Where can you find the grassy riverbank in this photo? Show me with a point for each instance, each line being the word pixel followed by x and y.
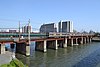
pixel 14 63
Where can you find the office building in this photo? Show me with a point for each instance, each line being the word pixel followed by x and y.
pixel 65 26
pixel 46 28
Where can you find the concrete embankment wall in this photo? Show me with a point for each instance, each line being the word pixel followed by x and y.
pixel 96 39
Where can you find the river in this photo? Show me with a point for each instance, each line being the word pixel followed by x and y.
pixel 87 55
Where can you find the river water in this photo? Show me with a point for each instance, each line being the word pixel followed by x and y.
pixel 87 55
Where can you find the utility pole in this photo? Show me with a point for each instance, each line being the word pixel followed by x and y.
pixel 29 31
pixel 19 31
pixel 45 28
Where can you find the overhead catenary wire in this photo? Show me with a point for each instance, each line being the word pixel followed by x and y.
pixel 22 24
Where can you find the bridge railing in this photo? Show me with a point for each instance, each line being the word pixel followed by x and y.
pixel 53 34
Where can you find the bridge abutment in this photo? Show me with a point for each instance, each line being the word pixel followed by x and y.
pixel 2 48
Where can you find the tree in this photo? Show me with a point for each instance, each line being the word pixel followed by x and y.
pixel 91 32
pixel 74 31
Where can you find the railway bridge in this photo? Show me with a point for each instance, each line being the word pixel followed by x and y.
pixel 44 41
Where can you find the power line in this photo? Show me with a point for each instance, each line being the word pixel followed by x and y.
pixel 18 28
pixel 12 20
pixel 22 24
pixel 8 28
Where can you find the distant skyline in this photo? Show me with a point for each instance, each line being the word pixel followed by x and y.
pixel 85 14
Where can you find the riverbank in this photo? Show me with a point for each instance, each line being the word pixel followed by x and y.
pixel 8 60
pixel 14 63
pixel 5 58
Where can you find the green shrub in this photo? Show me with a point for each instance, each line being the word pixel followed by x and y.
pixel 14 63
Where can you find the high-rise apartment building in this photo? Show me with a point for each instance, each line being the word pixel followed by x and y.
pixel 26 29
pixel 45 28
pixel 65 26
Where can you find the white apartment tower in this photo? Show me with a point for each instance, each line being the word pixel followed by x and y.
pixel 65 26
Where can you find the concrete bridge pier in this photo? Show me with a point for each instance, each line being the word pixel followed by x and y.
pixel 84 40
pixel 41 46
pixel 56 44
pixel 90 39
pixel 87 39
pixel 80 40
pixel 2 48
pixel 12 46
pixel 76 41
pixel 60 43
pixel 23 48
pixel 27 49
pixel 65 44
pixel 71 41
pixel 52 44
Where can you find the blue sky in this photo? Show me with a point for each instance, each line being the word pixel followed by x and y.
pixel 85 14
